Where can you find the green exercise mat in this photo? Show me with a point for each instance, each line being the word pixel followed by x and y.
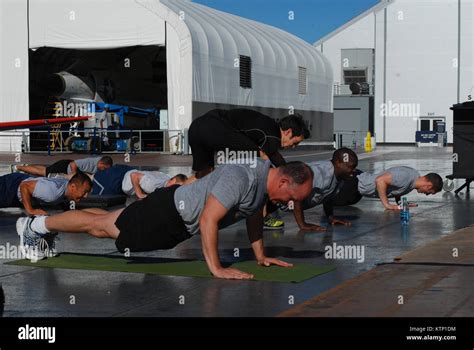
pixel 173 267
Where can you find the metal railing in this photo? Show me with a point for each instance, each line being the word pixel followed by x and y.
pixel 349 139
pixel 344 90
pixel 139 141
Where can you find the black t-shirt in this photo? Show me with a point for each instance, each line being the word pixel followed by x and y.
pixel 260 128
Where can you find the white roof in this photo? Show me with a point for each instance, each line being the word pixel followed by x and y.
pixel 218 38
pixel 201 51
pixel 219 34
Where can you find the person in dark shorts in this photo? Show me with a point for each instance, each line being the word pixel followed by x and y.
pixel 347 194
pixel 59 167
pixel 141 183
pixel 110 182
pixel 21 190
pixel 67 166
pixel 242 130
pixel 173 214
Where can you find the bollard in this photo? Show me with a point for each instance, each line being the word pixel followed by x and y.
pixel 368 142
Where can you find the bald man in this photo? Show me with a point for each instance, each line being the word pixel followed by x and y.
pixel 174 214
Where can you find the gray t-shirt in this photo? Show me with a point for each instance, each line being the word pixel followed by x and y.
pixel 239 188
pixel 403 182
pixel 86 165
pixel 150 181
pixel 48 190
pixel 324 183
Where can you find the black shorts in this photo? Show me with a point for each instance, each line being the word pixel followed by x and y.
pixel 151 224
pixel 208 134
pixel 60 167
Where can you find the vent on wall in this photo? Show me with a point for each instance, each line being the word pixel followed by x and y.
pixel 302 81
pixel 245 64
pixel 355 76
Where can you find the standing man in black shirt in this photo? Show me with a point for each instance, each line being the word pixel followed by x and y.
pixel 242 130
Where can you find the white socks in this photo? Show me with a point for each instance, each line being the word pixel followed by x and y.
pixel 39 224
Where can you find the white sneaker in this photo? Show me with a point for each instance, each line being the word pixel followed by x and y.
pixel 32 244
pixel 14 168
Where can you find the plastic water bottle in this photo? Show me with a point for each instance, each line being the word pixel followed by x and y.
pixel 405 213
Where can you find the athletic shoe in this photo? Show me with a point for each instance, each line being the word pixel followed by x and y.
pixel 50 239
pixel 283 207
pixel 33 245
pixel 272 223
pixel 14 169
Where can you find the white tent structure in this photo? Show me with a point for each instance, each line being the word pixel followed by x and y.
pixel 204 51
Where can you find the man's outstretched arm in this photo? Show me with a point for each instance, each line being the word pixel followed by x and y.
pixel 27 189
pixel 382 182
pixel 300 220
pixel 277 159
pixel 136 177
pixel 213 212
pixel 329 211
pixel 74 167
pixel 255 233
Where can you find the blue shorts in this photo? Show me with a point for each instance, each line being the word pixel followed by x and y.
pixel 9 188
pixel 109 182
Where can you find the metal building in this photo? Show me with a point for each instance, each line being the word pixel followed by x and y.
pixel 416 58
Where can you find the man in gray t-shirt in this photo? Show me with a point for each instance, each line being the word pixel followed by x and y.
pixel 46 190
pixel 392 183
pixel 241 190
pixel 327 175
pixel 171 215
pixel 324 183
pixel 142 183
pixel 403 181
pixel 20 189
pixel 67 166
pixel 88 165
pixel 396 182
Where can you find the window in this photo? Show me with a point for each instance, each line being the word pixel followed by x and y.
pixel 355 76
pixel 245 64
pixel 302 81
pixel 430 124
pixel 425 125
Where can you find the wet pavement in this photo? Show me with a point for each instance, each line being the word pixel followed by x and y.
pixel 59 292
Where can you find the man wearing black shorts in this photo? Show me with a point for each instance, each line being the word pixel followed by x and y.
pixel 173 214
pixel 248 131
pixel 242 130
pixel 327 181
pixel 17 190
pixel 67 166
pixel 111 181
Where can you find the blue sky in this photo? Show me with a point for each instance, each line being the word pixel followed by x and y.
pixel 312 18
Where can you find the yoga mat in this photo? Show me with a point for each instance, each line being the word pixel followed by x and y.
pixel 173 267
